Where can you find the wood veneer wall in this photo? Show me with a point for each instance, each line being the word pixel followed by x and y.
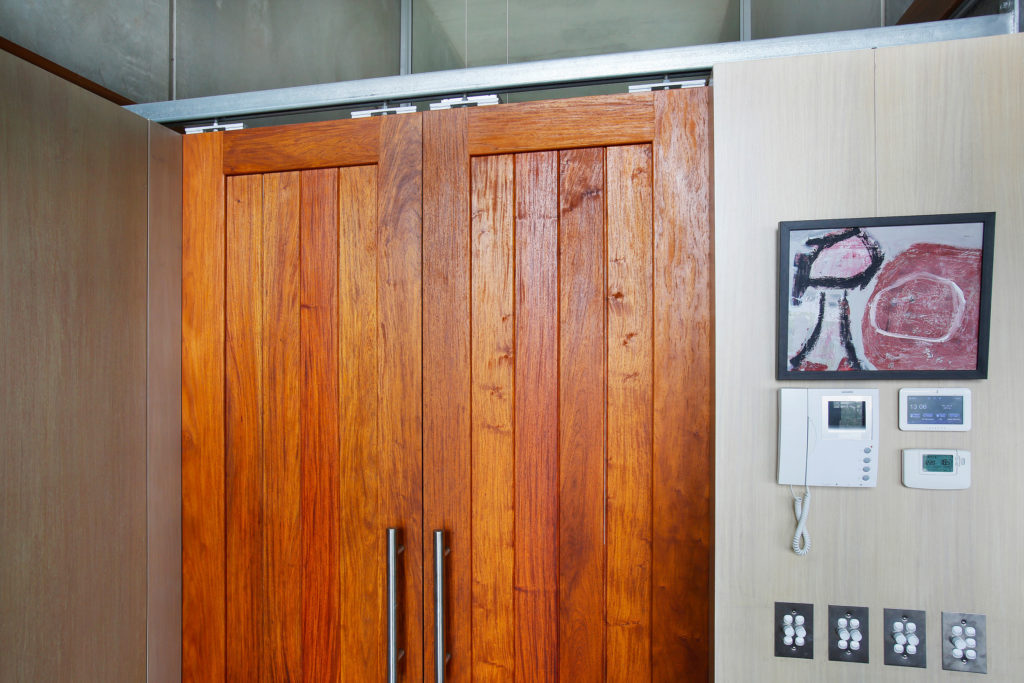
pixel 89 408
pixel 920 129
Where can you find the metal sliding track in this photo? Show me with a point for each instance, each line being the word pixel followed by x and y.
pixel 557 73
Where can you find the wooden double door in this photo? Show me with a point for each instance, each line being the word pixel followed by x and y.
pixel 495 322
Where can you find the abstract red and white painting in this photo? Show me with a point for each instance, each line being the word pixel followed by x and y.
pixel 868 297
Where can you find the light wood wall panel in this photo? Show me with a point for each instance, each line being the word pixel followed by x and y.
pixel 73 322
pixel 805 138
pixel 164 407
pixel 950 138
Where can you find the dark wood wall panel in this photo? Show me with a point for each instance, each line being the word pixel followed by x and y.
pixel 581 427
pixel 202 411
pixel 630 414
pixel 282 473
pixel 560 124
pixel 683 385
pixel 493 405
pixel 362 629
pixel 446 378
pixel 243 482
pixel 302 146
pixel 318 418
pixel 456 334
pixel 399 296
pixel 536 419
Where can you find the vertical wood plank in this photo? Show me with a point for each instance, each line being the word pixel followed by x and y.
pixel 400 308
pixel 244 437
pixel 493 512
pixel 536 428
pixel 282 495
pixel 202 410
pixel 629 514
pixel 683 386
pixel 581 429
pixel 446 375
pixel 361 627
pixel 321 474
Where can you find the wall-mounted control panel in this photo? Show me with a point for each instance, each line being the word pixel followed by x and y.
pixel 828 437
pixel 964 642
pixel 794 630
pixel 936 468
pixel 935 409
pixel 904 637
pixel 848 633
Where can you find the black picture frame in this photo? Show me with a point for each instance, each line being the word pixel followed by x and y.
pixel 801 243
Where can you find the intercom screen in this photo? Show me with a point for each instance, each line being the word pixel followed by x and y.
pixel 847 414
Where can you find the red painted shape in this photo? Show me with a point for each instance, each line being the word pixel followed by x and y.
pixel 923 313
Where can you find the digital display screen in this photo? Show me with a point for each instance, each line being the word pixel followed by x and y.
pixel 847 414
pixel 938 462
pixel 935 410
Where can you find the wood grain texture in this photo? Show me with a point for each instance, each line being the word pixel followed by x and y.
pixel 949 139
pixel 446 375
pixel 63 72
pixel 683 386
pixel 493 395
pixel 163 408
pixel 792 138
pixel 629 443
pixel 556 124
pixel 319 436
pixel 301 146
pixel 282 480
pixel 399 297
pixel 202 411
pixel 73 383
pixel 536 428
pixel 362 628
pixel 581 426
pixel 244 472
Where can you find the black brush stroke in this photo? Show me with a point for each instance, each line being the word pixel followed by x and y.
pixel 802 279
pixel 796 360
pixel 846 334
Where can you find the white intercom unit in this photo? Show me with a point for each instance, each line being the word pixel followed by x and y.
pixel 828 437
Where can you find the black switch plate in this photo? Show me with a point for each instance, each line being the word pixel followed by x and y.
pixel 847 654
pixel 905 616
pixel 794 609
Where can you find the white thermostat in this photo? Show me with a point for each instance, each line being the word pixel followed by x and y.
pixel 935 409
pixel 936 468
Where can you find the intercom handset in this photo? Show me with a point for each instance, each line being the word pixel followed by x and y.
pixel 828 437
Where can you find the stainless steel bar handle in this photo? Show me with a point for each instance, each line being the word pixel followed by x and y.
pixel 394 654
pixel 441 655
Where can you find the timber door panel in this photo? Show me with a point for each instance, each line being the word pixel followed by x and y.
pixel 302 385
pixel 568 386
pixel 530 370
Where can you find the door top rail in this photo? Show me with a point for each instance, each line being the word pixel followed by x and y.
pixel 557 72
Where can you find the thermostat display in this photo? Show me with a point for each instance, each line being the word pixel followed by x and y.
pixel 935 409
pixel 937 463
pixel 936 468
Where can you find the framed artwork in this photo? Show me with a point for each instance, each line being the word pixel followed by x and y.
pixel 901 297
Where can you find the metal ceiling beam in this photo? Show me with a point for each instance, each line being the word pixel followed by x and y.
pixel 558 72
